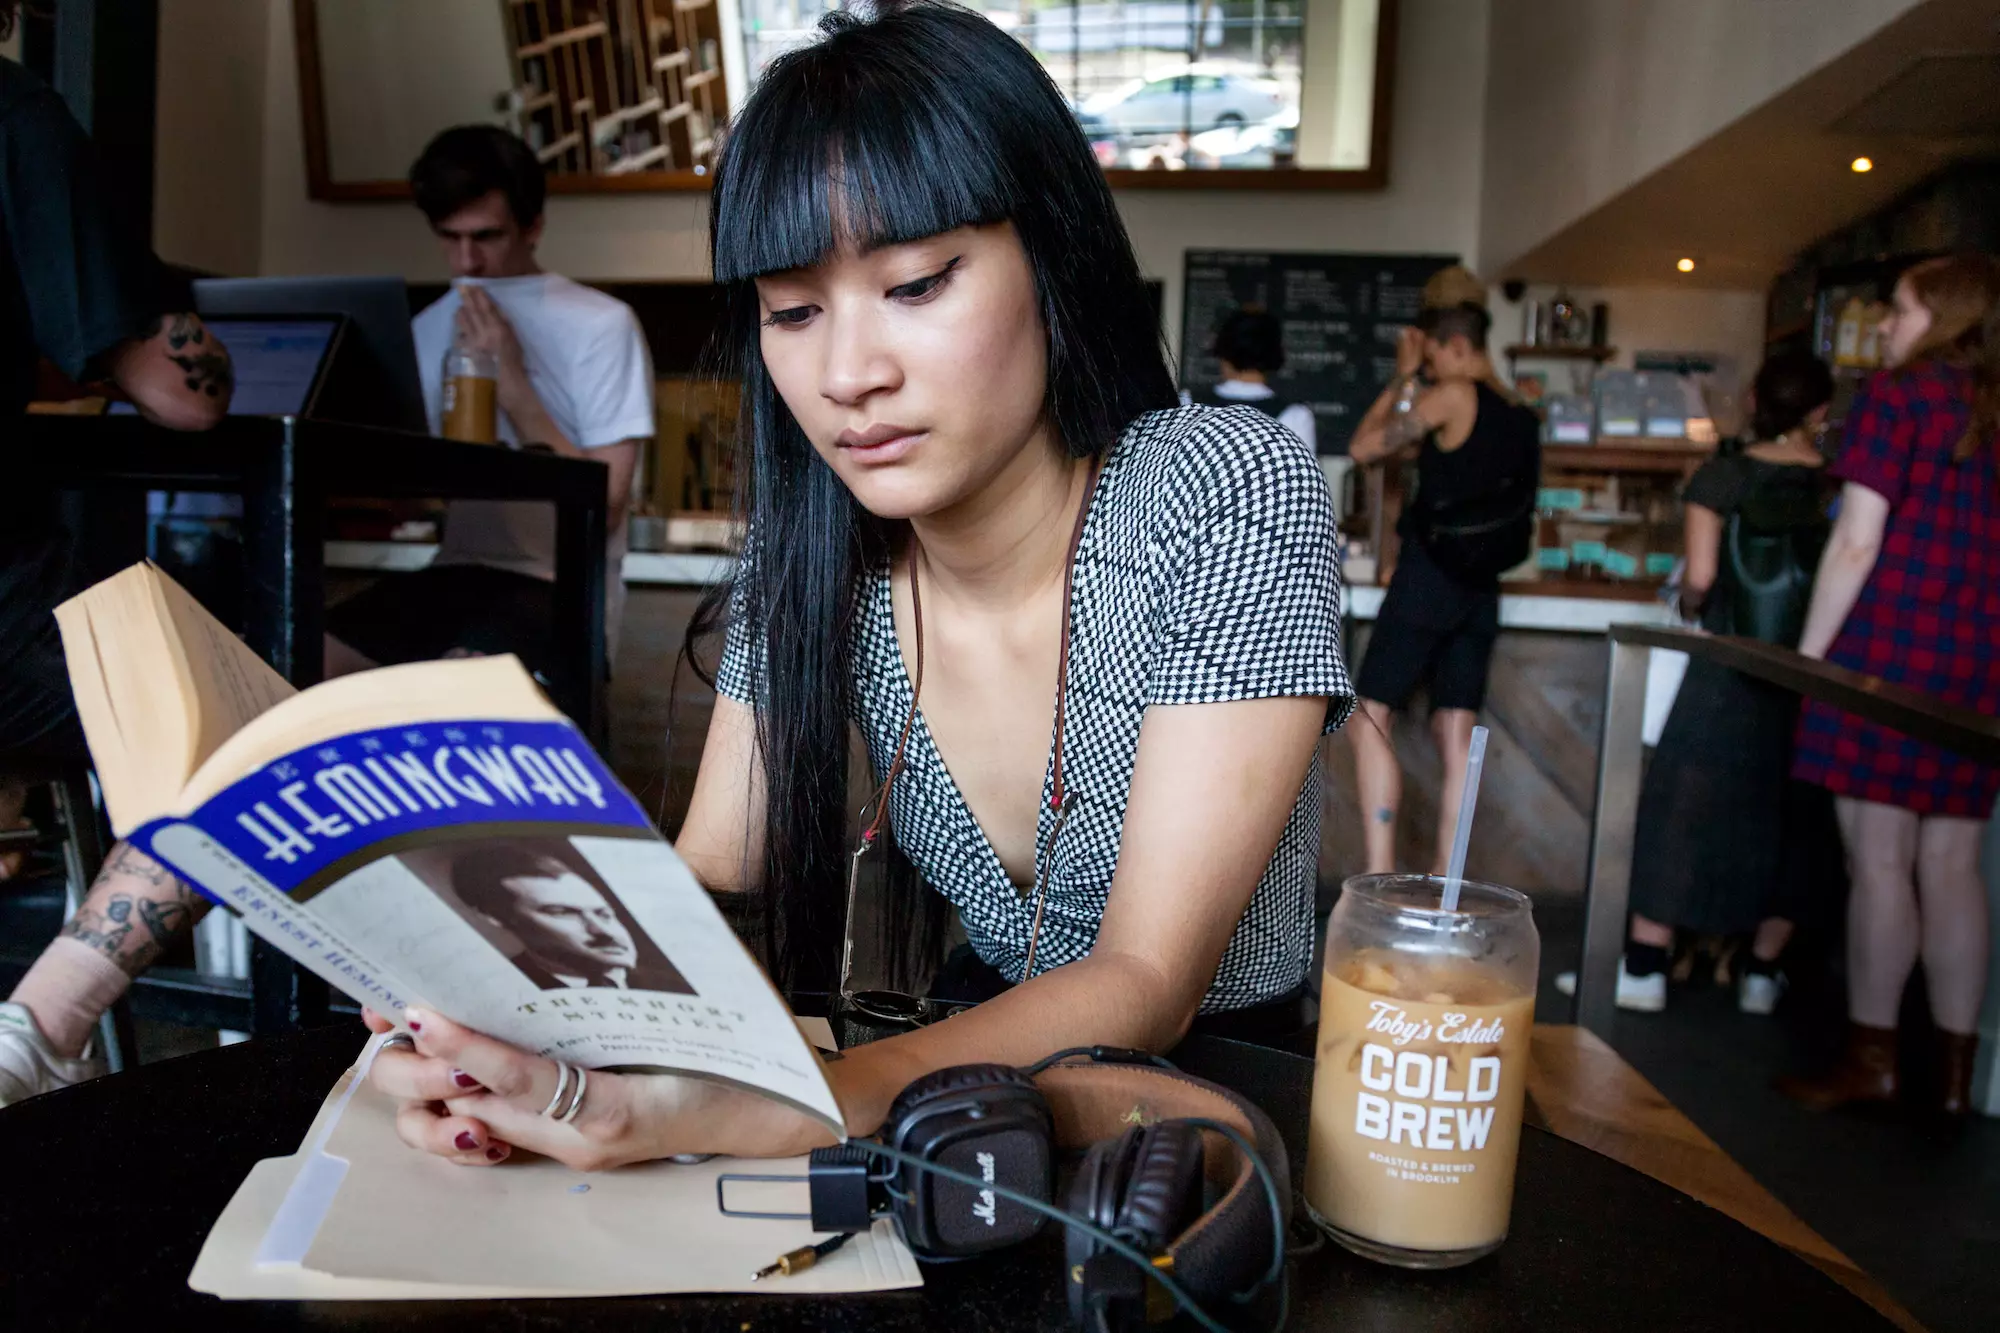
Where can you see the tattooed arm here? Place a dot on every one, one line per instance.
(135, 911)
(179, 377)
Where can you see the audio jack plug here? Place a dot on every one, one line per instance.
(798, 1261)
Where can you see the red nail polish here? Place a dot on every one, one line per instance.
(495, 1153)
(465, 1141)
(415, 1026)
(463, 1079)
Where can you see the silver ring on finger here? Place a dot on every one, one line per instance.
(564, 1072)
(576, 1099)
(399, 1041)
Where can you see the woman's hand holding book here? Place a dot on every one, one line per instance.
(474, 1100)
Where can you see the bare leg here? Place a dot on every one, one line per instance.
(1380, 781)
(134, 911)
(1645, 930)
(1882, 927)
(1773, 934)
(1451, 728)
(1952, 902)
(341, 660)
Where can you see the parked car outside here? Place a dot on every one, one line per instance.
(1273, 143)
(1196, 100)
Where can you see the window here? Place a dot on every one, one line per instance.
(1160, 84)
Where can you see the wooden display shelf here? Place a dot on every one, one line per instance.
(1634, 454)
(1601, 590)
(1552, 352)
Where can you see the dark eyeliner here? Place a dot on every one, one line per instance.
(776, 320)
(930, 282)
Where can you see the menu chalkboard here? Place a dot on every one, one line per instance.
(1340, 312)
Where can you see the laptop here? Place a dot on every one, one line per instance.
(281, 363)
(373, 379)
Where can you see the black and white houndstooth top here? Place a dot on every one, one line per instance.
(1207, 573)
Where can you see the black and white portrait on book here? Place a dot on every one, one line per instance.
(542, 905)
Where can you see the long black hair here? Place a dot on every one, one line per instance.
(922, 120)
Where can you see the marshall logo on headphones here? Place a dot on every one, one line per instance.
(985, 1207)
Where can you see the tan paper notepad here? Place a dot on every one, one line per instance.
(401, 1225)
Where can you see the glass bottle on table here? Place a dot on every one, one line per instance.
(1421, 1069)
(470, 408)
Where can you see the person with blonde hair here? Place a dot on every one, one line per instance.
(1909, 590)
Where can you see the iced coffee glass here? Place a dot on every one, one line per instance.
(1422, 1062)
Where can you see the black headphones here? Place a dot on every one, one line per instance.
(1180, 1183)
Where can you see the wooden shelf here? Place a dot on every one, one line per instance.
(1528, 352)
(1638, 454)
(1602, 590)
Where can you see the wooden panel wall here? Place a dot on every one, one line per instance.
(1544, 705)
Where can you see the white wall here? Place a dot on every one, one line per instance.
(208, 139)
(1586, 97)
(1658, 319)
(395, 73)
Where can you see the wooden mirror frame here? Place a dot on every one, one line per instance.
(320, 184)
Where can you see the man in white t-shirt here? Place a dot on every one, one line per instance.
(575, 378)
(1251, 346)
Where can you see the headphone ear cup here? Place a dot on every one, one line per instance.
(956, 1078)
(1144, 1187)
(1161, 1196)
(1094, 1196)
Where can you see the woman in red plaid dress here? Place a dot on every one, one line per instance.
(1909, 590)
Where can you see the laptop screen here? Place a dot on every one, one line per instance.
(277, 362)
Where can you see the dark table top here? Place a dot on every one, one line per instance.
(316, 457)
(109, 1190)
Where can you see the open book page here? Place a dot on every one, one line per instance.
(128, 787)
(496, 871)
(160, 685)
(134, 693)
(231, 684)
(408, 695)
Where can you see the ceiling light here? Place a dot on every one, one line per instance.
(1861, 164)
(1685, 266)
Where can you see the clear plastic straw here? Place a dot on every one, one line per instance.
(1468, 796)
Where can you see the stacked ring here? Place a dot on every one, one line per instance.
(564, 1070)
(571, 1085)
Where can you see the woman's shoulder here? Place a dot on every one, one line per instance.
(1719, 483)
(1195, 456)
(1927, 380)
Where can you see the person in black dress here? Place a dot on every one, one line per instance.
(1726, 841)
(1478, 453)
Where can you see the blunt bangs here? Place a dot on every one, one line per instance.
(870, 152)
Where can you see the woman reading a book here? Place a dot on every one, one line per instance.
(1090, 637)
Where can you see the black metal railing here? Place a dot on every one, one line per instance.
(1616, 813)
